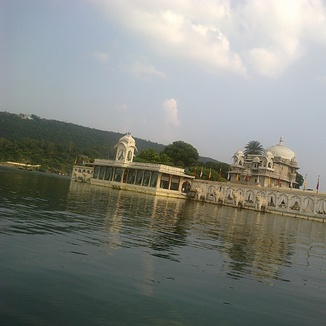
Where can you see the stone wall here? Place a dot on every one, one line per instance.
(285, 201)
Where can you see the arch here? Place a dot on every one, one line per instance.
(308, 205)
(228, 193)
(185, 187)
(210, 190)
(271, 199)
(240, 191)
(321, 207)
(282, 201)
(250, 196)
(295, 203)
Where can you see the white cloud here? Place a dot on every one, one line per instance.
(249, 36)
(100, 57)
(175, 29)
(279, 32)
(267, 61)
(144, 71)
(170, 110)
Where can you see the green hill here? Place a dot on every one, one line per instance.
(55, 144)
(16, 128)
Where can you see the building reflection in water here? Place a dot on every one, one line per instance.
(247, 244)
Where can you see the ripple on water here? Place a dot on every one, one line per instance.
(137, 259)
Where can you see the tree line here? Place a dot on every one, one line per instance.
(184, 155)
(55, 145)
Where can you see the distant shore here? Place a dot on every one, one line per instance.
(11, 166)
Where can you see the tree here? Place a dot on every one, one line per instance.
(148, 156)
(181, 153)
(299, 180)
(254, 147)
(164, 159)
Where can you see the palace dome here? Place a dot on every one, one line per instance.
(128, 140)
(239, 153)
(282, 151)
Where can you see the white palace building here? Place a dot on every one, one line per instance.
(258, 182)
(122, 173)
(276, 167)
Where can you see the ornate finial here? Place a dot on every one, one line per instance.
(281, 140)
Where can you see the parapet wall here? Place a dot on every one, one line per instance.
(294, 202)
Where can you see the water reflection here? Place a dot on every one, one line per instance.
(71, 249)
(132, 219)
(249, 244)
(33, 190)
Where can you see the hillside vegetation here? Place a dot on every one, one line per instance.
(55, 144)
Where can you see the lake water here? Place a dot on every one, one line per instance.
(75, 254)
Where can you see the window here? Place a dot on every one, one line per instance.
(154, 179)
(96, 171)
(117, 174)
(108, 173)
(121, 154)
(139, 177)
(131, 177)
(146, 178)
(165, 181)
(124, 175)
(102, 172)
(175, 183)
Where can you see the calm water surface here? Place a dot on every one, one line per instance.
(75, 254)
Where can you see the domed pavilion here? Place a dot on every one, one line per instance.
(276, 167)
(125, 174)
(125, 148)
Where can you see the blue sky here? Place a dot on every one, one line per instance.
(215, 74)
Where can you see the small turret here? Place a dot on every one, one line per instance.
(125, 148)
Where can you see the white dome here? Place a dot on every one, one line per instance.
(128, 140)
(239, 153)
(268, 154)
(282, 151)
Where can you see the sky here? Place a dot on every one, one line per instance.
(213, 73)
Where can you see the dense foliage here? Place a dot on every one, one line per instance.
(214, 171)
(299, 180)
(151, 156)
(182, 154)
(55, 145)
(14, 128)
(254, 147)
(208, 170)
